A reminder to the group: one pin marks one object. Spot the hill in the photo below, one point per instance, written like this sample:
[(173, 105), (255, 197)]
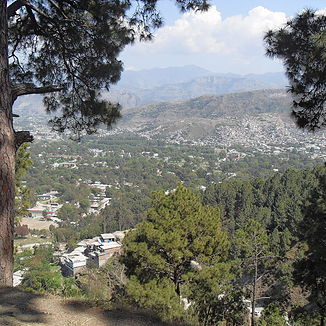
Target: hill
[(138, 88), (143, 87), (253, 118), (149, 78), (213, 106)]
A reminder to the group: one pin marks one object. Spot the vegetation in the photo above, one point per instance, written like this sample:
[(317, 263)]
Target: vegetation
[(133, 168), (189, 262), (24, 195), (68, 50), (310, 269), (42, 274), (190, 256), (301, 47)]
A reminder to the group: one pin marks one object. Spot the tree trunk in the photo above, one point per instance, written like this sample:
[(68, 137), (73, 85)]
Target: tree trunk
[(322, 321), (253, 303), (176, 282), (7, 158)]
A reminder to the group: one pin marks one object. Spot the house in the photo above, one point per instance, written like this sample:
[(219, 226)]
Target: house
[(98, 204), (74, 262), (44, 210), (107, 237), (18, 277), (90, 253), (102, 253), (48, 196), (40, 212)]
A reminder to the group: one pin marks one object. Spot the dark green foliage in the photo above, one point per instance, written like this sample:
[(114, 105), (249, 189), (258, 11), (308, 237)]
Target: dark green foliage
[(214, 297), (310, 271), (73, 194), (24, 196), (276, 202), (272, 316), (178, 229), (43, 274), (126, 210), (20, 259), (158, 296), (299, 45), (73, 49), (158, 253), (252, 244), (69, 212)]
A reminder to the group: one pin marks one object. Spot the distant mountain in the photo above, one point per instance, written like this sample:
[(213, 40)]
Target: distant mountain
[(258, 119), (29, 106), (247, 118), (150, 78), (178, 83), (139, 88), (275, 79), (202, 86), (212, 106)]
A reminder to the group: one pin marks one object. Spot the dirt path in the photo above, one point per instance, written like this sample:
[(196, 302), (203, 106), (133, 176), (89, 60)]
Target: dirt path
[(18, 308)]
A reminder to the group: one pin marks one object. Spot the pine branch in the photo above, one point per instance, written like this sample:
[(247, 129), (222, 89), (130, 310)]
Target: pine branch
[(30, 88), (22, 137), (12, 8)]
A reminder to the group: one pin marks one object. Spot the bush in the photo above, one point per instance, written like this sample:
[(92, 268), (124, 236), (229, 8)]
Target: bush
[(272, 316), (158, 296)]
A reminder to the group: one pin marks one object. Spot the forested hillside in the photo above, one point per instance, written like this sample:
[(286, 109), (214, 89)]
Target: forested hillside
[(240, 243)]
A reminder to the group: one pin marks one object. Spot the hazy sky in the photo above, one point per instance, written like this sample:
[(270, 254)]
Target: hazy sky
[(227, 38)]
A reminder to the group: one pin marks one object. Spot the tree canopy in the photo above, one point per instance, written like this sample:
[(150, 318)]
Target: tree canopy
[(71, 50), (178, 230), (300, 44), (310, 270), (67, 49), (179, 236)]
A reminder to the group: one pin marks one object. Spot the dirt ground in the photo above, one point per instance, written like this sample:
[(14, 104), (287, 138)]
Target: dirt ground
[(19, 308), (33, 223)]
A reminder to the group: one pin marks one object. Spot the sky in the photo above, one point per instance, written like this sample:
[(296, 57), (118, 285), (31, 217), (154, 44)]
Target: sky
[(228, 38)]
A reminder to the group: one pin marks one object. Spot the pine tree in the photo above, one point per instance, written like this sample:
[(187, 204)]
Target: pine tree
[(310, 271), (253, 243), (301, 46), (67, 49), (179, 231)]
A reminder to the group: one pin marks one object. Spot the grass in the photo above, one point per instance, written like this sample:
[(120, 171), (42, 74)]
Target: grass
[(30, 240)]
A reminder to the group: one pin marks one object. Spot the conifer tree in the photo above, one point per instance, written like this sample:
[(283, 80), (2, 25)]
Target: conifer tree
[(67, 49), (253, 243), (302, 48), (179, 231), (310, 271)]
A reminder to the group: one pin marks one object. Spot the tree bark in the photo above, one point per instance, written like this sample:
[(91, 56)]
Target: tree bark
[(254, 289), (7, 158)]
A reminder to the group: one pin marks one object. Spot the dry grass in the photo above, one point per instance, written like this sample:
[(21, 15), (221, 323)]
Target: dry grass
[(20, 308), (33, 223)]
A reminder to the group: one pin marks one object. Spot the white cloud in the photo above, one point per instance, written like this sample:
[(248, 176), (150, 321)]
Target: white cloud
[(130, 68), (208, 33), (321, 12)]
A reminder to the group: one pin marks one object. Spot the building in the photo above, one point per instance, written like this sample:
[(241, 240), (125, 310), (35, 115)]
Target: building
[(107, 237), (74, 262), (90, 253), (99, 256), (44, 210)]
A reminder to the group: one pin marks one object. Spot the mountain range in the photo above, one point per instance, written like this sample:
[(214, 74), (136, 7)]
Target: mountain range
[(138, 88)]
